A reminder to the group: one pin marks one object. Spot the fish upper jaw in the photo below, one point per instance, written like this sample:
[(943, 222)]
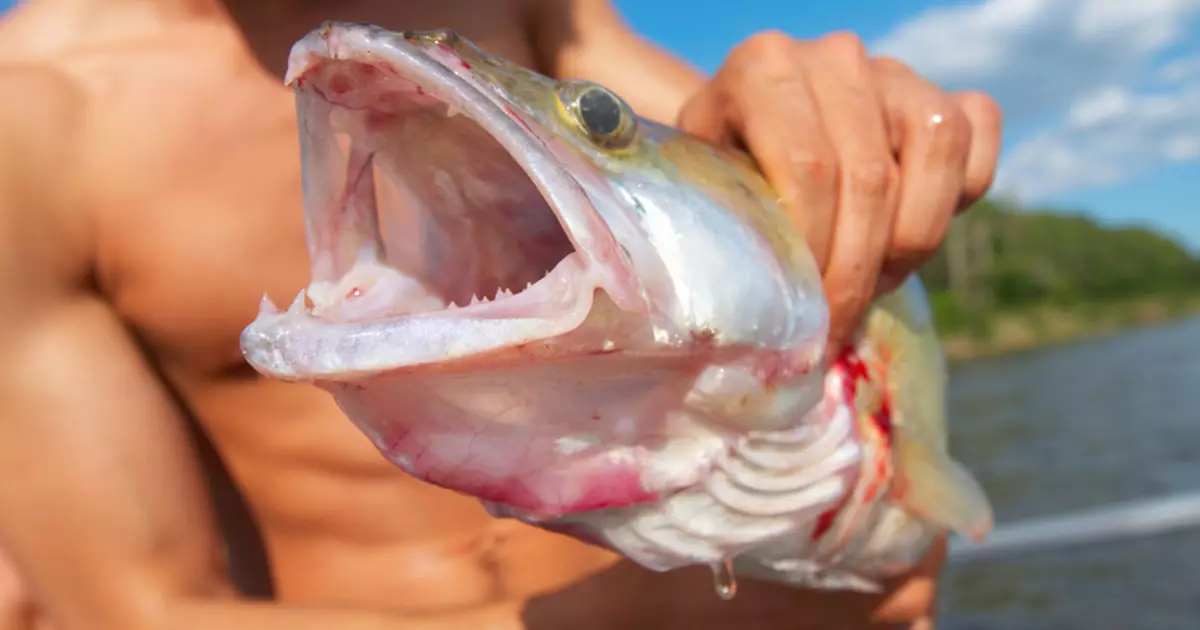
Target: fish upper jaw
[(439, 225)]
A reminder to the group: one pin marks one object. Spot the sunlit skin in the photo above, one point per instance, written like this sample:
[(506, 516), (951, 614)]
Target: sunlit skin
[(149, 192)]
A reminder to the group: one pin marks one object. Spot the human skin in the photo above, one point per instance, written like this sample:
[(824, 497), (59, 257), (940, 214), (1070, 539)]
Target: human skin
[(149, 192)]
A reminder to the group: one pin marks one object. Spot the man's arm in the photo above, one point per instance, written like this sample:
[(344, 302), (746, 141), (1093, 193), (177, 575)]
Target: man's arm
[(588, 39), (102, 506)]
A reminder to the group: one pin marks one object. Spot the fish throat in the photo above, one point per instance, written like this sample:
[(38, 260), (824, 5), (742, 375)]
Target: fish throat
[(414, 208)]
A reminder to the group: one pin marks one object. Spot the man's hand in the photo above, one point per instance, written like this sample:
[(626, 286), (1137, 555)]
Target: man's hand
[(871, 160)]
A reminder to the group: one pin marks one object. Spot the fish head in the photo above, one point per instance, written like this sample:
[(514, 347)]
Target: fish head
[(517, 282), (437, 175)]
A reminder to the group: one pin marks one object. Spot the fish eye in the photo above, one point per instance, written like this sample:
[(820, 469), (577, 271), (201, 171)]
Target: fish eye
[(602, 115)]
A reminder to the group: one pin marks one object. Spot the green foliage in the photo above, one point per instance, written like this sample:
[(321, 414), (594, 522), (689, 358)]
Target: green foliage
[(1002, 258)]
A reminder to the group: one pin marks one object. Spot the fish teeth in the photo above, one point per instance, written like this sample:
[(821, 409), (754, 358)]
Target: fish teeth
[(267, 307), (298, 303), (452, 111)]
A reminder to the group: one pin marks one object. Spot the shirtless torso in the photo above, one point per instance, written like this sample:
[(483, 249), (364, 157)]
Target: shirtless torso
[(156, 197)]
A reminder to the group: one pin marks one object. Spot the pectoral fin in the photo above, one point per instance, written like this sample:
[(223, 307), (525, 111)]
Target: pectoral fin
[(938, 490)]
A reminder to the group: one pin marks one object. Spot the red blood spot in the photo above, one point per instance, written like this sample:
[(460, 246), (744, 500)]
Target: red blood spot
[(513, 115), (850, 365), (883, 420), (465, 65), (854, 371), (824, 522), (355, 292)]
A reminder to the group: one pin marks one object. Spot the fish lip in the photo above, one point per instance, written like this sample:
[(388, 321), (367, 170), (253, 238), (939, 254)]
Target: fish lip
[(296, 345)]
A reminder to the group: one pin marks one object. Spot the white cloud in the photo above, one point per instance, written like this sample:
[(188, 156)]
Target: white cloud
[(1180, 69), (1107, 138), (1079, 63), (1037, 55)]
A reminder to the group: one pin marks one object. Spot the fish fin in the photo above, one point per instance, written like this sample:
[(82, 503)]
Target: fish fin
[(936, 489)]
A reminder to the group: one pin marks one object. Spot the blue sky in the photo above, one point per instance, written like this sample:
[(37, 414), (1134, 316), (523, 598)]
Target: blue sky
[(1102, 97)]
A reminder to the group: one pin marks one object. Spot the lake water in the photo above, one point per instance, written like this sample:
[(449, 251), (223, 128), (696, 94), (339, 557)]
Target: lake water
[(1072, 427)]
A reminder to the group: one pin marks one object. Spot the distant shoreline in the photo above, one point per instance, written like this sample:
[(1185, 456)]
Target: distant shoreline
[(1051, 325)]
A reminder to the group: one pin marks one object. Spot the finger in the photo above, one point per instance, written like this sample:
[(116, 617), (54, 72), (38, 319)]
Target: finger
[(703, 115), (987, 123), (933, 138), (840, 74), (761, 96)]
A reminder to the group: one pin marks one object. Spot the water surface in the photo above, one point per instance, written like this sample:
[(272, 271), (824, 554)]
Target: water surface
[(1072, 427)]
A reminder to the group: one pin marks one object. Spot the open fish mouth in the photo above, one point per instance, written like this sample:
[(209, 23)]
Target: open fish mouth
[(440, 225)]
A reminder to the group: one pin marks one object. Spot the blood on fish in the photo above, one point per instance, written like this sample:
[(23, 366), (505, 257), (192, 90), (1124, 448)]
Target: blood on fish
[(825, 522), (520, 121), (854, 372)]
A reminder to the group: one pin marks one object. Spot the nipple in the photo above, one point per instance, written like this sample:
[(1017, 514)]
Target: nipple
[(724, 580)]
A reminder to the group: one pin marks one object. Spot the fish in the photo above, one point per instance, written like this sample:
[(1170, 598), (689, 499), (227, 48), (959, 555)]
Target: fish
[(524, 292)]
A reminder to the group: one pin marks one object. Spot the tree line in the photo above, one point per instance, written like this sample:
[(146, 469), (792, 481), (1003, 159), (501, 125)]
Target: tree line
[(999, 257)]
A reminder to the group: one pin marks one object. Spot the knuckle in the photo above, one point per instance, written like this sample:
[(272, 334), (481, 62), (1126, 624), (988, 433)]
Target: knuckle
[(767, 54), (976, 184), (844, 301), (873, 178), (847, 304), (815, 166), (911, 249), (915, 242), (770, 39), (769, 49), (987, 111), (891, 65), (844, 43), (951, 130)]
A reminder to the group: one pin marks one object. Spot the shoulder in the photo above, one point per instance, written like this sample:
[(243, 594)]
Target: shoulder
[(44, 238)]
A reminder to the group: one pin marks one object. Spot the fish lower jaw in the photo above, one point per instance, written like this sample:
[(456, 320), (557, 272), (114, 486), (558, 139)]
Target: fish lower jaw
[(375, 319), (372, 291)]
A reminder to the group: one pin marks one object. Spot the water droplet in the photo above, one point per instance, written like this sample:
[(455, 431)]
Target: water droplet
[(724, 580)]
